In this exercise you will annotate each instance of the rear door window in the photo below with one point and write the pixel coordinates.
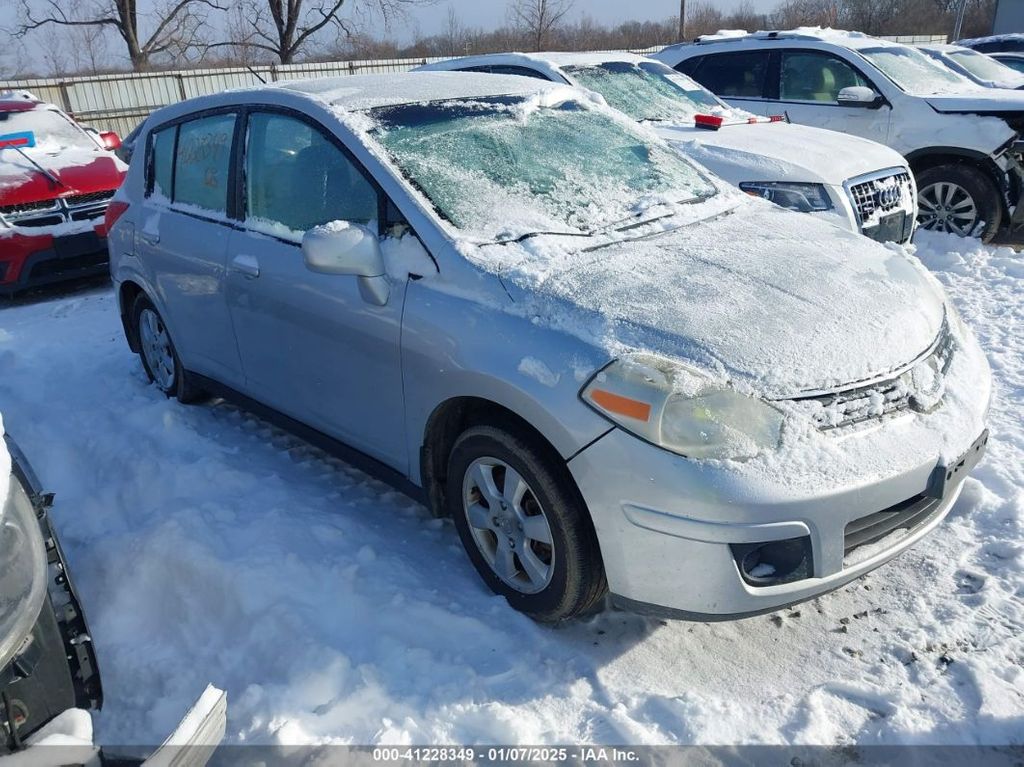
(297, 178)
(203, 162)
(734, 75)
(816, 77)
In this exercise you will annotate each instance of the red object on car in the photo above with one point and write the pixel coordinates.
(56, 181)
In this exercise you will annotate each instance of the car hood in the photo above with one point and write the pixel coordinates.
(79, 171)
(781, 152)
(987, 101)
(785, 302)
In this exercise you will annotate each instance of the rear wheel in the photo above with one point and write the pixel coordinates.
(159, 357)
(523, 524)
(959, 199)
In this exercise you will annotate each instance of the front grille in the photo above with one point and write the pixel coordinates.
(882, 195)
(76, 207)
(908, 515)
(85, 199)
(909, 390)
(27, 207)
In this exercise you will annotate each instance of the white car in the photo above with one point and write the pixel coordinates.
(961, 139)
(977, 67)
(857, 184)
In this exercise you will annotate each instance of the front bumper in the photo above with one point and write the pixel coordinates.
(673, 531)
(30, 259)
(55, 669)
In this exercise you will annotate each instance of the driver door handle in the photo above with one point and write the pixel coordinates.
(247, 266)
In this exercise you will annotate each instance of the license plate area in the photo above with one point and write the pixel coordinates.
(946, 478)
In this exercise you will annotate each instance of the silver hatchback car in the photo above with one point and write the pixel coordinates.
(614, 372)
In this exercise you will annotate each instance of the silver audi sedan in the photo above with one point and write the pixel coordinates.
(617, 375)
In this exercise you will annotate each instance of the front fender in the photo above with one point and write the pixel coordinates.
(454, 346)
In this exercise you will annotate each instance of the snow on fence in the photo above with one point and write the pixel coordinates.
(121, 101)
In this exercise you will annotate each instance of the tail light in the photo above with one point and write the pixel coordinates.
(115, 210)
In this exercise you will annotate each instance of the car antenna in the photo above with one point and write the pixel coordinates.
(256, 74)
(53, 179)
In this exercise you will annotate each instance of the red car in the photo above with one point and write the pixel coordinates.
(56, 179)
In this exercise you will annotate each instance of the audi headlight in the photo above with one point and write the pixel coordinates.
(803, 198)
(22, 569)
(682, 410)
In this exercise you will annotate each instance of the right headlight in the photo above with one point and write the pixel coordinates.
(22, 570)
(682, 410)
(803, 198)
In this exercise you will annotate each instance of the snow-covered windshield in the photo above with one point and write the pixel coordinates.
(986, 68)
(507, 166)
(914, 73)
(646, 91)
(54, 132)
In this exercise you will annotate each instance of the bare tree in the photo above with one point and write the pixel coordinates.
(538, 18)
(175, 26)
(284, 27)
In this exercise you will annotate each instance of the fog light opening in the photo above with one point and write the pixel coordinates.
(774, 562)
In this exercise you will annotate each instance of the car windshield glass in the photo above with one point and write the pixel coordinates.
(646, 91)
(508, 166)
(915, 73)
(986, 68)
(53, 131)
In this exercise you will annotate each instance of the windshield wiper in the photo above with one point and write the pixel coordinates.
(52, 178)
(528, 235)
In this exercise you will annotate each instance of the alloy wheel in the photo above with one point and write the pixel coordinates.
(156, 348)
(947, 207)
(508, 525)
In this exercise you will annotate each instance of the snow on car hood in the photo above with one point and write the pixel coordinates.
(782, 152)
(982, 100)
(784, 302)
(81, 171)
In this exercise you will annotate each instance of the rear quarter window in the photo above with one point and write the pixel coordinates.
(741, 74)
(161, 167)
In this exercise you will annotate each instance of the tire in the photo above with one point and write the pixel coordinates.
(960, 199)
(159, 357)
(563, 577)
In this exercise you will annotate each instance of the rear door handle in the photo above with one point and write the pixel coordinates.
(246, 265)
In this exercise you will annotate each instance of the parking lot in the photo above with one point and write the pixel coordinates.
(209, 546)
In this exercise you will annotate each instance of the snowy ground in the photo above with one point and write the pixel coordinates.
(210, 547)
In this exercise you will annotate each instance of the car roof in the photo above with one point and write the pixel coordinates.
(839, 37)
(553, 59)
(354, 93)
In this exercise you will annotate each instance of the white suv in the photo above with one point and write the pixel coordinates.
(961, 139)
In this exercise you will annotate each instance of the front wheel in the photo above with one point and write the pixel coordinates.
(959, 199)
(523, 524)
(159, 357)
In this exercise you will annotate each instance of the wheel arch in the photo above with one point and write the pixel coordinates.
(454, 416)
(127, 292)
(932, 157)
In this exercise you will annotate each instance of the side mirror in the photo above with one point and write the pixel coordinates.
(110, 140)
(350, 249)
(859, 96)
